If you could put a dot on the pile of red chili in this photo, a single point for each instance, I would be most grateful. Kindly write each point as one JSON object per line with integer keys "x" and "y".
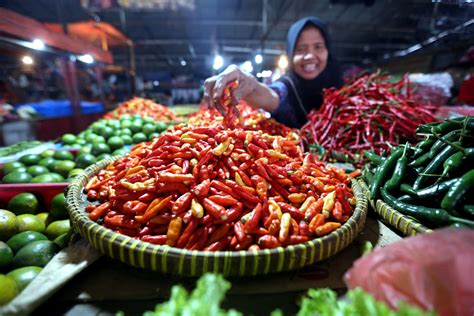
{"x": 251, "y": 120}
{"x": 143, "y": 108}
{"x": 371, "y": 113}
{"x": 210, "y": 188}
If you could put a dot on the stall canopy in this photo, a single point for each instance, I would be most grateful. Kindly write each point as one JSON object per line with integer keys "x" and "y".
{"x": 99, "y": 33}
{"x": 26, "y": 28}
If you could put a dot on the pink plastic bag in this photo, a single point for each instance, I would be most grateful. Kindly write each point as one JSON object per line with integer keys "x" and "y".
{"x": 433, "y": 271}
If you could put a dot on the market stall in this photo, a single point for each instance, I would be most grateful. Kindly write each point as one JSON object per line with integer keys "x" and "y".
{"x": 216, "y": 208}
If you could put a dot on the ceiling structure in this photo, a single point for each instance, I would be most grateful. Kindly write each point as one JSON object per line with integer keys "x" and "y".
{"x": 363, "y": 31}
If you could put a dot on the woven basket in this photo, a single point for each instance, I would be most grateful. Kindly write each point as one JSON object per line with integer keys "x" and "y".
{"x": 194, "y": 263}
{"x": 405, "y": 224}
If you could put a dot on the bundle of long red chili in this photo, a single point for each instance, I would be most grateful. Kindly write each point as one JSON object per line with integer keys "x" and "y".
{"x": 370, "y": 113}
{"x": 210, "y": 188}
{"x": 143, "y": 108}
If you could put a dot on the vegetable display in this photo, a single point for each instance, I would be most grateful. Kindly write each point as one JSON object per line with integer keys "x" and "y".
{"x": 210, "y": 188}
{"x": 207, "y": 297}
{"x": 370, "y": 113}
{"x": 143, "y": 108}
{"x": 432, "y": 181}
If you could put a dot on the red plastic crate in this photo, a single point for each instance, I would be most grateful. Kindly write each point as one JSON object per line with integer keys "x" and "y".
{"x": 44, "y": 192}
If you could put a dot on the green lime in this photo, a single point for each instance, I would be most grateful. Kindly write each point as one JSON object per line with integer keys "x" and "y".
{"x": 17, "y": 177}
{"x": 30, "y": 160}
{"x": 47, "y": 153}
{"x": 12, "y": 166}
{"x": 8, "y": 224}
{"x": 24, "y": 238}
{"x": 75, "y": 172}
{"x": 47, "y": 162}
{"x": 30, "y": 222}
{"x": 43, "y": 178}
{"x": 136, "y": 126}
{"x": 37, "y": 170}
{"x": 68, "y": 139}
{"x": 148, "y": 120}
{"x": 45, "y": 217}
{"x": 37, "y": 253}
{"x": 127, "y": 139}
{"x": 24, "y": 276}
{"x": 126, "y": 117}
{"x": 126, "y": 131}
{"x": 63, "y": 155}
{"x": 97, "y": 127}
{"x": 103, "y": 156}
{"x": 115, "y": 142}
{"x": 120, "y": 152}
{"x": 9, "y": 289}
{"x": 19, "y": 169}
{"x": 107, "y": 132}
{"x": 63, "y": 167}
{"x": 6, "y": 255}
{"x": 99, "y": 140}
{"x": 125, "y": 124}
{"x": 91, "y": 137}
{"x": 161, "y": 126}
{"x": 56, "y": 177}
{"x": 153, "y": 135}
{"x": 84, "y": 150}
{"x": 62, "y": 240}
{"x": 148, "y": 129}
{"x": 23, "y": 203}
{"x": 81, "y": 142}
{"x": 115, "y": 124}
{"x": 139, "y": 138}
{"x": 58, "y": 206}
{"x": 100, "y": 148}
{"x": 57, "y": 228}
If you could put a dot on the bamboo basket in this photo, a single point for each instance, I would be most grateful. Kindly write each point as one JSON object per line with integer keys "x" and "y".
{"x": 183, "y": 262}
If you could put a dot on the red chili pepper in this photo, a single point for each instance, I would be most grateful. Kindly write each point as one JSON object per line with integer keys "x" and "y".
{"x": 202, "y": 189}
{"x": 99, "y": 211}
{"x": 157, "y": 240}
{"x": 268, "y": 241}
{"x": 224, "y": 200}
{"x": 215, "y": 210}
{"x": 294, "y": 212}
{"x": 219, "y": 233}
{"x": 253, "y": 221}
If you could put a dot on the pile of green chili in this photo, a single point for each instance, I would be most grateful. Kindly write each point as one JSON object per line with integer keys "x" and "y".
{"x": 432, "y": 181}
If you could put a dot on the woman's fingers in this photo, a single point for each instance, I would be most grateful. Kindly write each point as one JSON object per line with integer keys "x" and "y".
{"x": 209, "y": 85}
{"x": 230, "y": 74}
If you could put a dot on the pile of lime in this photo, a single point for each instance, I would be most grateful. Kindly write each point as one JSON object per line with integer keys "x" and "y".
{"x": 48, "y": 166}
{"x": 108, "y": 136}
{"x": 29, "y": 239}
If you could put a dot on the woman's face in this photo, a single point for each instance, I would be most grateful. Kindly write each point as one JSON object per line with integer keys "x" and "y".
{"x": 310, "y": 55}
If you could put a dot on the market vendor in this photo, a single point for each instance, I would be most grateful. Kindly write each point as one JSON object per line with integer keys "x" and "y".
{"x": 294, "y": 95}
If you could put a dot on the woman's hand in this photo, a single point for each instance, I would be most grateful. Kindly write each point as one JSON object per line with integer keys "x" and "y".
{"x": 214, "y": 86}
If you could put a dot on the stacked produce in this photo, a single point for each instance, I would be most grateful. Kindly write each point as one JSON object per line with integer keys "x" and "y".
{"x": 370, "y": 113}
{"x": 29, "y": 240}
{"x": 143, "y": 108}
{"x": 46, "y": 167}
{"x": 433, "y": 181}
{"x": 109, "y": 136}
{"x": 210, "y": 188}
{"x": 252, "y": 120}
{"x": 18, "y": 147}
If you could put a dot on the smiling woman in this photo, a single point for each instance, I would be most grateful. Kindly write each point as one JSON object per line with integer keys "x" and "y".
{"x": 293, "y": 96}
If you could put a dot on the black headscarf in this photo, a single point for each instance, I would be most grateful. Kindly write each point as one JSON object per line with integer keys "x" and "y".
{"x": 309, "y": 91}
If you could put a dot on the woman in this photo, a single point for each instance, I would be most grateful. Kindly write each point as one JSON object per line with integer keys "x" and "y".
{"x": 293, "y": 96}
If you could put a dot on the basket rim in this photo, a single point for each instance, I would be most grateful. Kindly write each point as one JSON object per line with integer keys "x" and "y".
{"x": 73, "y": 198}
{"x": 377, "y": 205}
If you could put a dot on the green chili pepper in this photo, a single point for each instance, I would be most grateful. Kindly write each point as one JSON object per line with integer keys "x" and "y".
{"x": 399, "y": 172}
{"x": 469, "y": 209}
{"x": 373, "y": 157}
{"x": 435, "y": 189}
{"x": 436, "y": 216}
{"x": 406, "y": 188}
{"x": 434, "y": 165}
{"x": 383, "y": 171}
{"x": 440, "y": 143}
{"x": 457, "y": 191}
{"x": 420, "y": 161}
